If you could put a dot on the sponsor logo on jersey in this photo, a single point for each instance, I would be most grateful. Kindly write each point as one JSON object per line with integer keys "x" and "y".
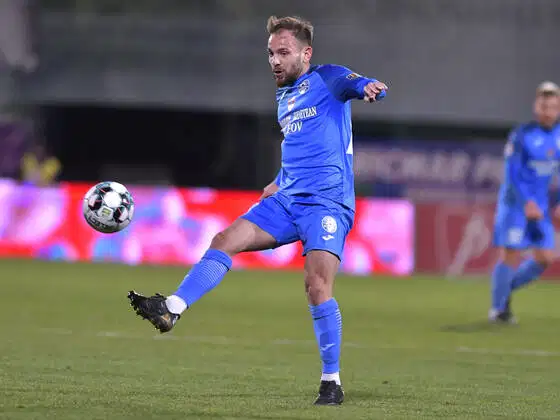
{"x": 543, "y": 168}
{"x": 302, "y": 114}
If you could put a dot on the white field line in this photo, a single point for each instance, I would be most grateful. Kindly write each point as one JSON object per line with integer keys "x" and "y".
{"x": 512, "y": 352}
{"x": 228, "y": 341}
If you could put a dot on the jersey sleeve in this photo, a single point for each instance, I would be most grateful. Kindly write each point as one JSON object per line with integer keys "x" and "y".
{"x": 343, "y": 83}
{"x": 514, "y": 154}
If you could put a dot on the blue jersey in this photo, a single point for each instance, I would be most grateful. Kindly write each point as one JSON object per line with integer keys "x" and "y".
{"x": 315, "y": 118}
{"x": 532, "y": 155}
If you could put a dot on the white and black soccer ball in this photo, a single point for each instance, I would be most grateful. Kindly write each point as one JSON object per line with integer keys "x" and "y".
{"x": 108, "y": 207}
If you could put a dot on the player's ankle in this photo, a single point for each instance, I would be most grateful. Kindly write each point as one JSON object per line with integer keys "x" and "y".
{"x": 331, "y": 377}
{"x": 175, "y": 304}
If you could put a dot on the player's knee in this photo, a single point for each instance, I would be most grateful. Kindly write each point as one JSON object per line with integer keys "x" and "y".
{"x": 510, "y": 257}
{"x": 317, "y": 288}
{"x": 222, "y": 242}
{"x": 544, "y": 258}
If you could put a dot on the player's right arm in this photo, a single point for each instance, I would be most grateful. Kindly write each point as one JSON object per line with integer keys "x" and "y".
{"x": 514, "y": 153}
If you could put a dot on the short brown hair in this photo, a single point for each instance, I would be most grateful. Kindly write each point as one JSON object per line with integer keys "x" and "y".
{"x": 547, "y": 89}
{"x": 300, "y": 28}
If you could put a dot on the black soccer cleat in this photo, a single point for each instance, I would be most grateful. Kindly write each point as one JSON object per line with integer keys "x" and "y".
{"x": 153, "y": 309}
{"x": 330, "y": 394}
{"x": 504, "y": 317}
{"x": 507, "y": 316}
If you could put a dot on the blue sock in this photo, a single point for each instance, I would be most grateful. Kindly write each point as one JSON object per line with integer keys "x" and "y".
{"x": 527, "y": 272}
{"x": 327, "y": 323}
{"x": 501, "y": 283}
{"x": 204, "y": 276}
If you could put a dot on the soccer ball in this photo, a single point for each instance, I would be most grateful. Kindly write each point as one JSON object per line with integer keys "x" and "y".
{"x": 108, "y": 207}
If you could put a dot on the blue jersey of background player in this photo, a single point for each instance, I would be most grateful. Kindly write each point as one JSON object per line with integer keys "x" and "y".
{"x": 311, "y": 200}
{"x": 523, "y": 219}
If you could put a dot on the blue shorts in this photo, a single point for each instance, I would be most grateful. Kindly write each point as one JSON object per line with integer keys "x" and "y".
{"x": 318, "y": 223}
{"x": 512, "y": 230}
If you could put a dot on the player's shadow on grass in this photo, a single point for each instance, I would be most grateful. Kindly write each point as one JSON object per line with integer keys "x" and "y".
{"x": 369, "y": 395}
{"x": 473, "y": 327}
{"x": 201, "y": 415}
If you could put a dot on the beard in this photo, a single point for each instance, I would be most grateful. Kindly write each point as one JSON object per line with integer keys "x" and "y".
{"x": 288, "y": 77}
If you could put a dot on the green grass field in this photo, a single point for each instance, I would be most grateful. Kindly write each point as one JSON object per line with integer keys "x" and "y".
{"x": 72, "y": 348}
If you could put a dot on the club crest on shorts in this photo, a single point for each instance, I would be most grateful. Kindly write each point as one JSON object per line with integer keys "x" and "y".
{"x": 329, "y": 224}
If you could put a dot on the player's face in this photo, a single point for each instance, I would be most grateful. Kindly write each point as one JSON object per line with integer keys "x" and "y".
{"x": 288, "y": 57}
{"x": 547, "y": 110}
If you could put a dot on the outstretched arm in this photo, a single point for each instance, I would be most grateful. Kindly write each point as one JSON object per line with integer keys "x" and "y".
{"x": 345, "y": 85}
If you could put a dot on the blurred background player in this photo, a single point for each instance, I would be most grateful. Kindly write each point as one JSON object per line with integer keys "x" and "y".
{"x": 311, "y": 200}
{"x": 523, "y": 220}
{"x": 39, "y": 167}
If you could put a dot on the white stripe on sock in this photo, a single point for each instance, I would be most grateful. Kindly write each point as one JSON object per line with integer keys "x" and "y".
{"x": 331, "y": 377}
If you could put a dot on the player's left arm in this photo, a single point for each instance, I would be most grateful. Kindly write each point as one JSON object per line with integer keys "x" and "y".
{"x": 556, "y": 210}
{"x": 345, "y": 85}
{"x": 556, "y": 200}
{"x": 273, "y": 187}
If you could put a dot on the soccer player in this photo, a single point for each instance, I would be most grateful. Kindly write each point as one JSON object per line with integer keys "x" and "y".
{"x": 523, "y": 220}
{"x": 311, "y": 200}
